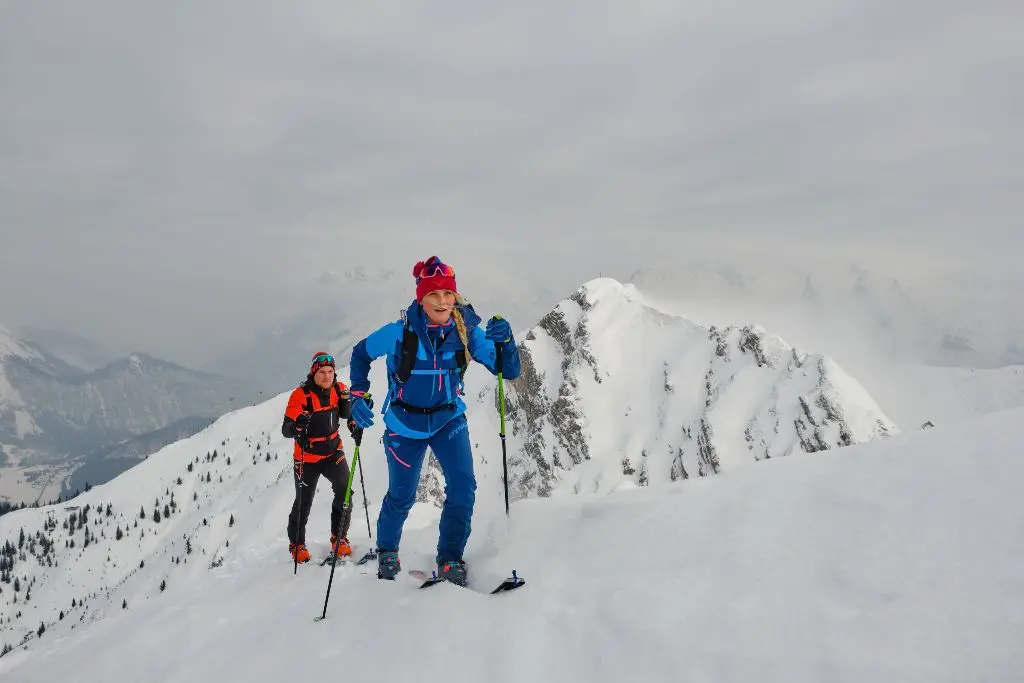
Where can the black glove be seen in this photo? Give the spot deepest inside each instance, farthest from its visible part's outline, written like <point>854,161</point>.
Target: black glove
<point>301,424</point>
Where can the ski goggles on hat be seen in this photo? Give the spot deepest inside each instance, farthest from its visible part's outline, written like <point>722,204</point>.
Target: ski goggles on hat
<point>436,268</point>
<point>323,359</point>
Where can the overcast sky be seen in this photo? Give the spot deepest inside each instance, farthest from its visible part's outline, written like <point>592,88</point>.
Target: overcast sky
<point>174,174</point>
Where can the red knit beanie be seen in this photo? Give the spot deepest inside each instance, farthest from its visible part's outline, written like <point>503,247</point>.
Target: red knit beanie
<point>431,275</point>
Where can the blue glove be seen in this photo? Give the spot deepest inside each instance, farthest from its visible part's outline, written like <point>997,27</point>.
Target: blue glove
<point>362,411</point>
<point>498,330</point>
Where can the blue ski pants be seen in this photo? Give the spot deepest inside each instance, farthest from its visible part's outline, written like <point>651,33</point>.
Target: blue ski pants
<point>405,456</point>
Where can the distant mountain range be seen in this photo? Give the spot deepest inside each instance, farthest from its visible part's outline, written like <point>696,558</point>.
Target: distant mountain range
<point>57,415</point>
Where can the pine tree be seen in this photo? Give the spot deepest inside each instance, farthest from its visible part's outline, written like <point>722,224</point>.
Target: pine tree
<point>231,522</point>
<point>163,585</point>
<point>124,604</point>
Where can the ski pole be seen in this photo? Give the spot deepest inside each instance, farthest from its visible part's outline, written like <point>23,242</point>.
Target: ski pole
<point>348,497</point>
<point>298,511</point>
<point>501,408</point>
<point>366,505</point>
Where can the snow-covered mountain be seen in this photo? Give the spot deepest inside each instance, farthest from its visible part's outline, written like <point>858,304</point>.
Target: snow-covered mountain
<point>615,389</point>
<point>867,563</point>
<point>52,413</point>
<point>18,359</point>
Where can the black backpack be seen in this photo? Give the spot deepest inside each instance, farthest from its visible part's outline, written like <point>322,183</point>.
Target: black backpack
<point>410,344</point>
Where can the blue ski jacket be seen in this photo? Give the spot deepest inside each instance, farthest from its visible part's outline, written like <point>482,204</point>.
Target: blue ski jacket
<point>434,383</point>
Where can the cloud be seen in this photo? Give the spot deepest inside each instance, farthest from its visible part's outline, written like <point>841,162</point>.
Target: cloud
<point>165,168</point>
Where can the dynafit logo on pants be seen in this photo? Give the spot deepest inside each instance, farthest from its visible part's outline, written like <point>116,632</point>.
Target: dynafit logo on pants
<point>458,428</point>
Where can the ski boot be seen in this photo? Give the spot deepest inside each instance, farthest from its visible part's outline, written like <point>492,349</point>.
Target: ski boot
<point>340,546</point>
<point>298,552</point>
<point>388,565</point>
<point>452,570</point>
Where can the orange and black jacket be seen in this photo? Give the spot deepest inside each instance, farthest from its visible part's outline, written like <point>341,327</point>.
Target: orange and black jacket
<point>329,409</point>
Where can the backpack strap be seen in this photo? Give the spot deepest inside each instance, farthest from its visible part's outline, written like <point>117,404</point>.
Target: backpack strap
<point>460,358</point>
<point>309,397</point>
<point>410,346</point>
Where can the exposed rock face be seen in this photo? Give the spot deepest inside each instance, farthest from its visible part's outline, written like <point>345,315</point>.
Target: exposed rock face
<point>614,389</point>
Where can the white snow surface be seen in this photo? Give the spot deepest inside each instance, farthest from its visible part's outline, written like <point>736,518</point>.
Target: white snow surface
<point>894,560</point>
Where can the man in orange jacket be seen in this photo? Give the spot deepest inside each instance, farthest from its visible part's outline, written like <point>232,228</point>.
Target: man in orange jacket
<point>316,410</point>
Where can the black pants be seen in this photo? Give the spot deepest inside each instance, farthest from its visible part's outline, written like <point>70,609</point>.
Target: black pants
<point>335,470</point>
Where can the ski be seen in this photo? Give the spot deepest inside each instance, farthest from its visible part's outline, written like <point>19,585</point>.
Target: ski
<point>427,581</point>
<point>509,584</point>
<point>432,579</point>
<point>341,559</point>
<point>370,555</point>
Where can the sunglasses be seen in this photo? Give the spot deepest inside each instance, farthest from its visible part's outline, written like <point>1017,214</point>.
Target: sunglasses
<point>324,359</point>
<point>434,269</point>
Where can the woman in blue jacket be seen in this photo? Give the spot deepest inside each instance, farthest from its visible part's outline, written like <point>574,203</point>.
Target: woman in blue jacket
<point>426,409</point>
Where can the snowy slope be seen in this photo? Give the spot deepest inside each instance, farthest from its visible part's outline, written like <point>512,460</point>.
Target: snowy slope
<point>896,560</point>
<point>614,389</point>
